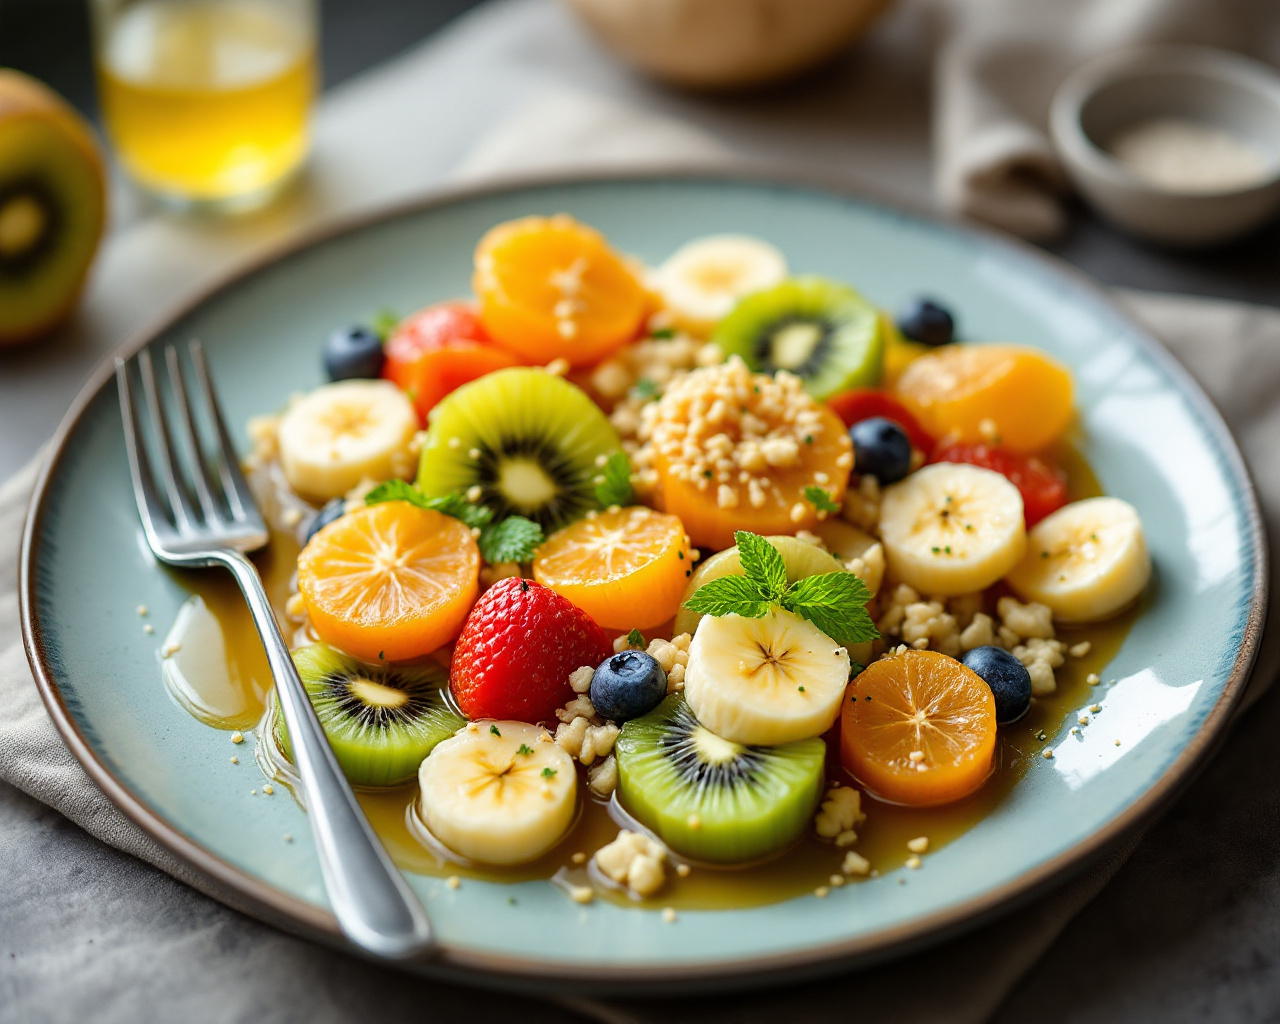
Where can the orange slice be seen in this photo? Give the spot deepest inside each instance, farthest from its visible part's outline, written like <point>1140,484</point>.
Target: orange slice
<point>918,728</point>
<point>1013,397</point>
<point>389,582</point>
<point>736,450</point>
<point>626,568</point>
<point>552,288</point>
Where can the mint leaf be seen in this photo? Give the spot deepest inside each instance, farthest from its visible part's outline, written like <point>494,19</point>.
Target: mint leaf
<point>635,639</point>
<point>763,565</point>
<point>615,488</point>
<point>820,499</point>
<point>455,505</point>
<point>512,540</point>
<point>384,322</point>
<point>835,602</point>
<point>729,595</point>
<point>663,333</point>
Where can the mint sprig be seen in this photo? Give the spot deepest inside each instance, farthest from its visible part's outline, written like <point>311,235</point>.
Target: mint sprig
<point>835,602</point>
<point>820,499</point>
<point>615,487</point>
<point>512,539</point>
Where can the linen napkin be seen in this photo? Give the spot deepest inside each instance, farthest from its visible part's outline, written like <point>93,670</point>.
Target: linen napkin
<point>998,64</point>
<point>971,976</point>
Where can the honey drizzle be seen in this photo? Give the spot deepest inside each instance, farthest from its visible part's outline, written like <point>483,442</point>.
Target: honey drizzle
<point>800,870</point>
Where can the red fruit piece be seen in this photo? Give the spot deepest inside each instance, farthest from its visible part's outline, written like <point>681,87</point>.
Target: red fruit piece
<point>437,350</point>
<point>867,403</point>
<point>517,649</point>
<point>1043,485</point>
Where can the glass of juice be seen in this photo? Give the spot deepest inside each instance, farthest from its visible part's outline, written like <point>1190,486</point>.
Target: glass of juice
<point>206,102</point>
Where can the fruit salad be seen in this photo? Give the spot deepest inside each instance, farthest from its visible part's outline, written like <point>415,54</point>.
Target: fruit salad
<point>701,564</point>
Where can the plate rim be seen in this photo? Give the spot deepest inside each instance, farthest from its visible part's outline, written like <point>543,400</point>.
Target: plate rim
<point>281,909</point>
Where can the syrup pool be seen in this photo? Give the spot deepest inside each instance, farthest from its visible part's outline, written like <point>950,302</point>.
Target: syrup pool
<point>219,673</point>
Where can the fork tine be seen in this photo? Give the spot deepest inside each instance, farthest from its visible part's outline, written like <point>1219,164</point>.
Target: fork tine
<point>239,497</point>
<point>164,455</point>
<point>150,508</point>
<point>199,470</point>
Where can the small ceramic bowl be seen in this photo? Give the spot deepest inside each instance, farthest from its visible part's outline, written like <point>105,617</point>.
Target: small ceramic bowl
<point>1211,88</point>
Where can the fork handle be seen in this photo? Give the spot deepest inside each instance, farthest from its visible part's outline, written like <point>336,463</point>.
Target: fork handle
<point>371,900</point>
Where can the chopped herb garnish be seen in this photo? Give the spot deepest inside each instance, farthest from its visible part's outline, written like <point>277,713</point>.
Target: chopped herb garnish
<point>820,499</point>
<point>494,730</point>
<point>663,333</point>
<point>548,772</point>
<point>384,322</point>
<point>635,639</point>
<point>513,539</point>
<point>524,748</point>
<point>645,389</point>
<point>615,488</point>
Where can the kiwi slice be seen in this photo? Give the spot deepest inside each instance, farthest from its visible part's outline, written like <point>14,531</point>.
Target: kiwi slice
<point>710,799</point>
<point>381,722</point>
<point>530,441</point>
<point>52,206</point>
<point>822,331</point>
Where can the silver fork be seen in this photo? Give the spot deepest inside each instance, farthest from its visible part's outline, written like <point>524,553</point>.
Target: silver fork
<point>198,511</point>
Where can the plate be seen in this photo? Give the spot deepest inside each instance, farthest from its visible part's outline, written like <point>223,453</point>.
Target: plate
<point>1149,433</point>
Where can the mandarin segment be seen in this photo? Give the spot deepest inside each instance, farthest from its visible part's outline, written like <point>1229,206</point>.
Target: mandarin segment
<point>1002,394</point>
<point>389,582</point>
<point>735,450</point>
<point>552,288</point>
<point>625,568</point>
<point>918,728</point>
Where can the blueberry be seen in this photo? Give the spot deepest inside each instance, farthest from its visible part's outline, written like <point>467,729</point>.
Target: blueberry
<point>881,449</point>
<point>353,352</point>
<point>928,322</point>
<point>628,685</point>
<point>332,511</point>
<point>1008,678</point>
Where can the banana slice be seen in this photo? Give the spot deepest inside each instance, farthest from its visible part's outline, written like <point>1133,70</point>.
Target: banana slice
<point>702,281</point>
<point>1087,561</point>
<point>952,528</point>
<point>498,792</point>
<point>765,681</point>
<point>346,432</point>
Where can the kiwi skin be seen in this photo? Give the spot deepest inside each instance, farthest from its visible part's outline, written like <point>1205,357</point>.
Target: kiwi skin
<point>531,441</point>
<point>711,800</point>
<point>380,721</point>
<point>53,178</point>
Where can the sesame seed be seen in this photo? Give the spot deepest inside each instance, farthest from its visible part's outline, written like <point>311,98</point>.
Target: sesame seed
<point>913,862</point>
<point>1117,743</point>
<point>579,858</point>
<point>1082,720</point>
<point>1095,708</point>
<point>288,837</point>
<point>822,892</point>
<point>453,881</point>
<point>918,845</point>
<point>268,789</point>
<point>581,894</point>
<point>148,629</point>
<point>235,760</point>
<point>1047,755</point>
<point>142,610</point>
<point>669,915</point>
<point>1081,649</point>
<point>237,737</point>
<point>683,870</point>
<point>1092,679</point>
<point>474,453</point>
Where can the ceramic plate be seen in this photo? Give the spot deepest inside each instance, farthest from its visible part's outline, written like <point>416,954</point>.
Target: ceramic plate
<point>1148,432</point>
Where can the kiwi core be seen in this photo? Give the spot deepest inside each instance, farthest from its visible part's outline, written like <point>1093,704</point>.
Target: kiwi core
<point>525,483</point>
<point>792,345</point>
<point>23,221</point>
<point>711,748</point>
<point>376,694</point>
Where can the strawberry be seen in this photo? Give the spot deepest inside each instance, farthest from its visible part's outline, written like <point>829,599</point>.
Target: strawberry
<point>517,649</point>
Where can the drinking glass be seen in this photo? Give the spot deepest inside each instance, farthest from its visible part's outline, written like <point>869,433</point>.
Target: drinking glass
<point>206,102</point>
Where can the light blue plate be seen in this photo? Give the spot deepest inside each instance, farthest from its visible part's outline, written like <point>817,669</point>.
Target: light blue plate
<point>1150,434</point>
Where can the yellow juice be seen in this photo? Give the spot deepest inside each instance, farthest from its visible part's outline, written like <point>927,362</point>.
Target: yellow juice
<point>207,100</point>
